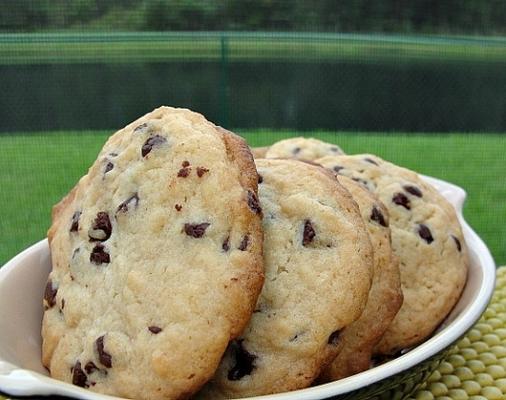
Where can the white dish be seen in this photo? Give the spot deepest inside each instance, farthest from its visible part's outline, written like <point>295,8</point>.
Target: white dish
<point>22,282</point>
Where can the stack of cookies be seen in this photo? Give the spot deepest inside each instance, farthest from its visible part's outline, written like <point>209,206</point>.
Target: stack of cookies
<point>183,266</point>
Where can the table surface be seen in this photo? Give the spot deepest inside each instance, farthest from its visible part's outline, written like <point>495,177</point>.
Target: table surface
<point>475,368</point>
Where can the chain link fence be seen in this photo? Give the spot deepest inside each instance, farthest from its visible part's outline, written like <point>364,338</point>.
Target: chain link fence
<point>301,81</point>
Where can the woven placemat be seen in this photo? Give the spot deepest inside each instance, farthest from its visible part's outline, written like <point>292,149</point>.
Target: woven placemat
<point>475,368</point>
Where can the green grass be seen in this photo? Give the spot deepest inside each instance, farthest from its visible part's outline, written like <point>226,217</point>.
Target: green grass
<point>165,46</point>
<point>38,169</point>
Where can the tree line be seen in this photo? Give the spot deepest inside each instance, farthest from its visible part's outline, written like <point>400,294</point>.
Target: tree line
<point>414,16</point>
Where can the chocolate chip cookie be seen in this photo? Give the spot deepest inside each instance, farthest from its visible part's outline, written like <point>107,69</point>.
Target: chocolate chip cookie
<point>302,149</point>
<point>155,270</point>
<point>385,296</point>
<point>259,152</point>
<point>427,238</point>
<point>318,267</point>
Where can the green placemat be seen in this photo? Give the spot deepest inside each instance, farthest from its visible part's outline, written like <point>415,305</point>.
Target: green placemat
<point>475,368</point>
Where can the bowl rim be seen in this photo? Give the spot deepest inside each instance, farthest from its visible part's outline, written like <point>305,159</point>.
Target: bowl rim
<point>438,342</point>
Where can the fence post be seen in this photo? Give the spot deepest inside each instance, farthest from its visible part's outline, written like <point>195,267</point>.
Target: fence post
<point>224,83</point>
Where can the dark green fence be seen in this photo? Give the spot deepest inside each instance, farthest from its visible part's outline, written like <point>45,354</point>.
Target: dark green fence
<point>300,81</point>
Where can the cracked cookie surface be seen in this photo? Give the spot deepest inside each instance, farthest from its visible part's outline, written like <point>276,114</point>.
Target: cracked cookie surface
<point>385,296</point>
<point>318,268</point>
<point>144,296</point>
<point>427,238</point>
<point>301,148</point>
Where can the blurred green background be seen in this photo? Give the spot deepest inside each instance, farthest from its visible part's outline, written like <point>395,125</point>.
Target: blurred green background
<point>420,83</point>
<point>430,16</point>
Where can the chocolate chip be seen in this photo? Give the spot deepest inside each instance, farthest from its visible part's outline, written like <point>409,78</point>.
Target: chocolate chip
<point>153,141</point>
<point>78,376</point>
<point>334,149</point>
<point>401,200</point>
<point>244,243</point>
<point>334,338</point>
<point>338,168</point>
<point>201,171</point>
<point>90,367</point>
<point>113,154</point>
<point>380,359</point>
<point>178,207</point>
<point>293,338</point>
<point>50,294</point>
<point>308,234</point>
<point>361,181</point>
<point>296,150</point>
<point>377,215</point>
<point>425,233</point>
<point>62,304</point>
<point>184,172</point>
<point>76,252</point>
<point>413,190</point>
<point>253,203</point>
<point>226,244</point>
<point>104,357</point>
<point>244,361</point>
<point>260,178</point>
<point>370,160</point>
<point>75,221</point>
<point>185,164</point>
<point>101,228</point>
<point>457,243</point>
<point>99,255</point>
<point>133,200</point>
<point>196,230</point>
<point>154,329</point>
<point>109,166</point>
<point>140,127</point>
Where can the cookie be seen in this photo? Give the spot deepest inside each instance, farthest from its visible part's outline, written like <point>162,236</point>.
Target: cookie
<point>302,149</point>
<point>154,270</point>
<point>427,238</point>
<point>385,296</point>
<point>318,269</point>
<point>259,152</point>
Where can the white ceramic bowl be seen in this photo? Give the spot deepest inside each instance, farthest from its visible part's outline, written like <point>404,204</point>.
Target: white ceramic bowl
<point>22,282</point>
